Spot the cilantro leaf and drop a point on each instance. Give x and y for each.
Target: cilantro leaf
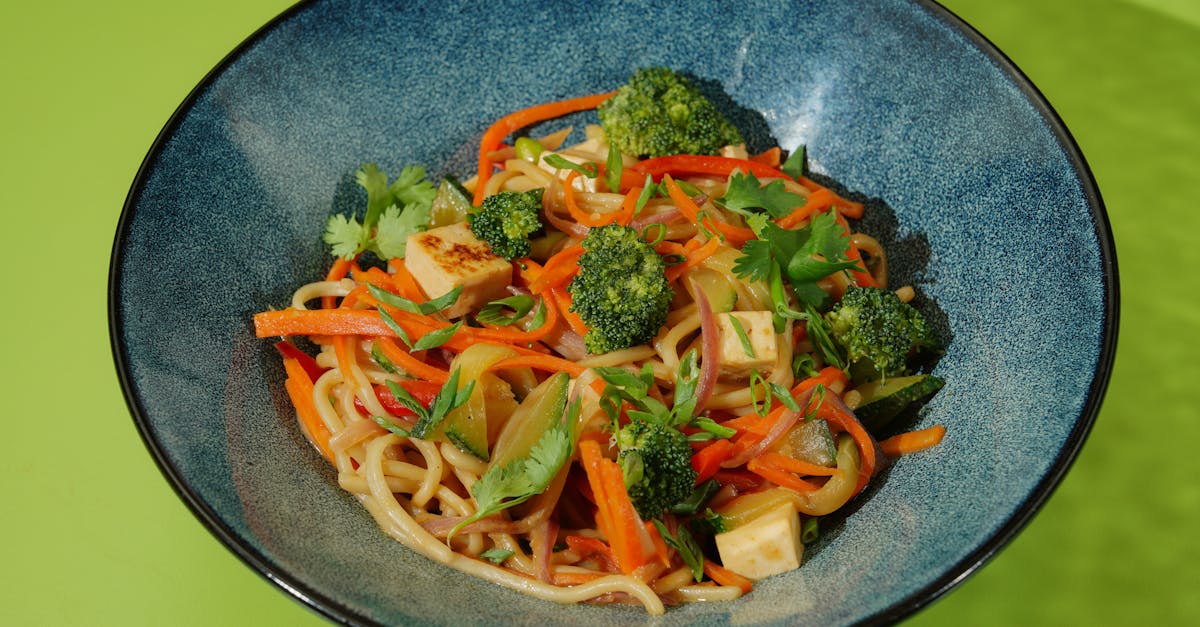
(391, 234)
(745, 192)
(755, 262)
(344, 235)
(525, 477)
(411, 188)
(372, 179)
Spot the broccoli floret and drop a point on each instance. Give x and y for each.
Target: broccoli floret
(621, 291)
(879, 332)
(658, 112)
(506, 220)
(656, 461)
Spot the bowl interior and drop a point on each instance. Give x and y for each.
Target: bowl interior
(972, 184)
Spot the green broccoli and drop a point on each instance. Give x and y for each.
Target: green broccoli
(621, 291)
(658, 112)
(506, 220)
(656, 461)
(879, 333)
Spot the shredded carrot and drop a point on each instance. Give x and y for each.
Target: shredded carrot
(545, 363)
(694, 257)
(725, 577)
(300, 389)
(587, 547)
(581, 216)
(405, 283)
(849, 423)
(629, 540)
(769, 157)
(558, 270)
(591, 457)
(779, 476)
(736, 235)
(798, 466)
(506, 125)
(913, 441)
(816, 201)
(563, 300)
(848, 208)
(410, 364)
(660, 545)
(863, 279)
(707, 461)
(629, 206)
(337, 272)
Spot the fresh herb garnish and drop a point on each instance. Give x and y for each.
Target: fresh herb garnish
(514, 483)
(493, 312)
(613, 167)
(447, 399)
(391, 426)
(496, 555)
(683, 543)
(393, 213)
(589, 169)
(742, 337)
(404, 304)
(746, 193)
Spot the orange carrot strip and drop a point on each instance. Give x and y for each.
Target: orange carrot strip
(798, 466)
(726, 577)
(863, 279)
(826, 377)
(320, 322)
(848, 208)
(779, 477)
(546, 363)
(343, 349)
(336, 272)
(866, 444)
(629, 540)
(818, 200)
(913, 441)
(506, 125)
(563, 300)
(769, 157)
(581, 216)
(587, 547)
(590, 456)
(558, 269)
(629, 206)
(300, 389)
(707, 461)
(694, 258)
(405, 283)
(660, 545)
(410, 364)
(735, 234)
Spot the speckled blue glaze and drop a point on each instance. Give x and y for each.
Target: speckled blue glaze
(969, 177)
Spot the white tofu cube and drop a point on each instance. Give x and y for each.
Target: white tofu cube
(765, 546)
(444, 258)
(736, 361)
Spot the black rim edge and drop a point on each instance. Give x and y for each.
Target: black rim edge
(1026, 511)
(911, 604)
(308, 597)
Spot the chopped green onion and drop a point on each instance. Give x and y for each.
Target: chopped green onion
(810, 530)
(644, 197)
(794, 165)
(496, 555)
(562, 163)
(528, 149)
(395, 327)
(742, 337)
(399, 302)
(660, 233)
(784, 396)
(757, 384)
(434, 339)
(613, 168)
(391, 426)
(493, 312)
(382, 360)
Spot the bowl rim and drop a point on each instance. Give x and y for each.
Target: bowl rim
(332, 609)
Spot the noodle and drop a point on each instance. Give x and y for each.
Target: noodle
(416, 451)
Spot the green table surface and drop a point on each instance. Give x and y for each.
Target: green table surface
(93, 534)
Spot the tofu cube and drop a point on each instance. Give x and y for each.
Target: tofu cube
(736, 361)
(765, 546)
(444, 258)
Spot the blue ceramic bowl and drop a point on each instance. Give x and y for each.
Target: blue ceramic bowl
(969, 176)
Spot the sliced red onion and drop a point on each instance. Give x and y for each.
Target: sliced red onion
(662, 217)
(786, 421)
(710, 347)
(566, 226)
